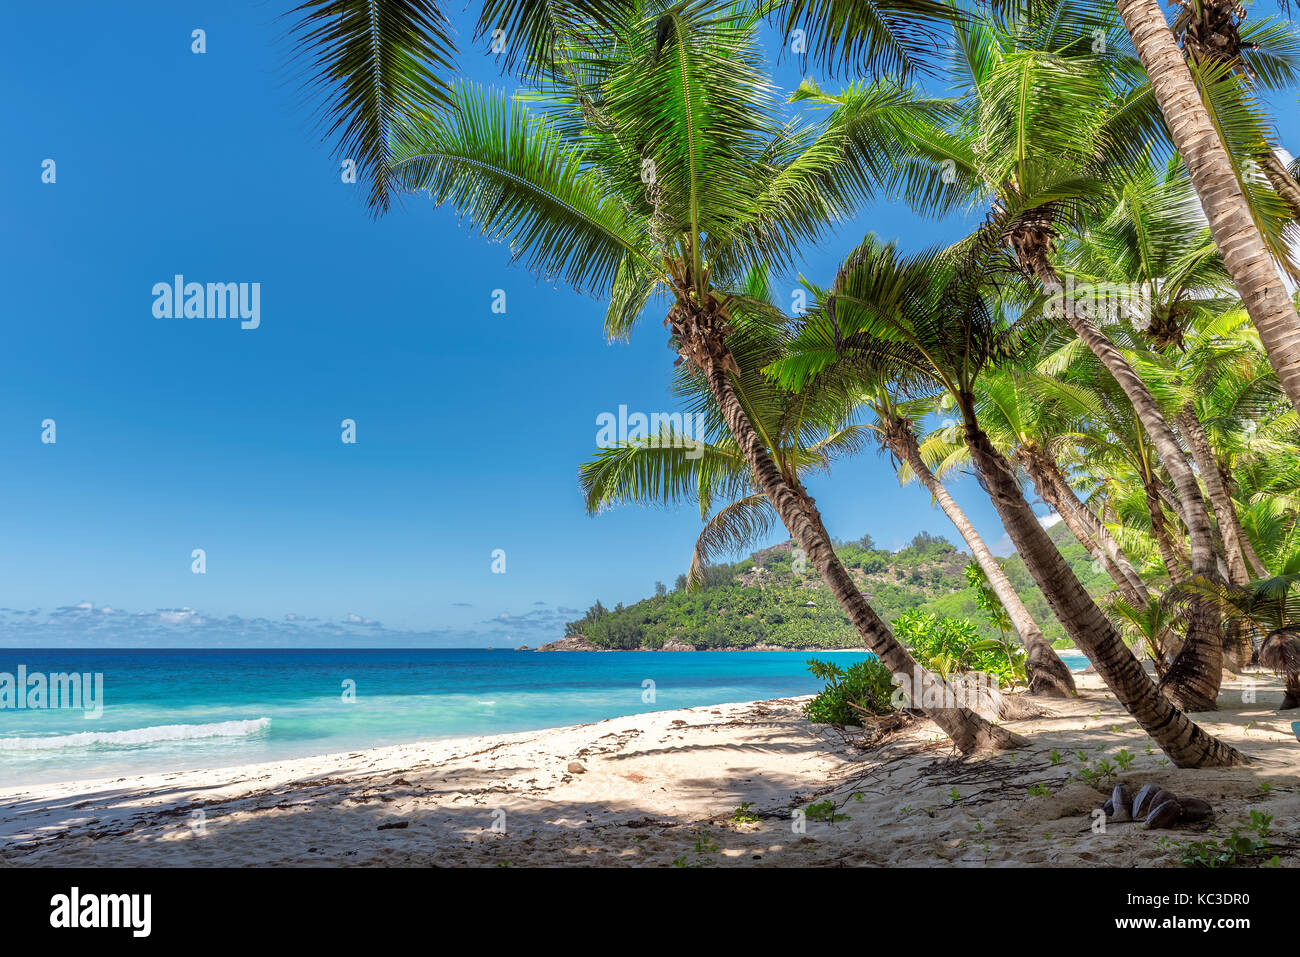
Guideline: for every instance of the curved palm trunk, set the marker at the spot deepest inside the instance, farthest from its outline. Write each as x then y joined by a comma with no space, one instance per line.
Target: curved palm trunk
1099,530
1211,169
1048,490
1194,684
1258,568
968,731
1225,513
1160,531
1186,743
1048,674
1102,534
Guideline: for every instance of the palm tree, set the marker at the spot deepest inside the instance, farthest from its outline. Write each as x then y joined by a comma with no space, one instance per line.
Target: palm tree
1219,189
1045,122
928,315
1262,52
1155,236
803,433
1032,418
1271,608
895,424
657,166
1147,625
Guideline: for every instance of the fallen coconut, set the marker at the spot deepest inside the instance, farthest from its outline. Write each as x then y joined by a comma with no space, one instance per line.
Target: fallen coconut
1165,814
1142,803
1120,801
1194,809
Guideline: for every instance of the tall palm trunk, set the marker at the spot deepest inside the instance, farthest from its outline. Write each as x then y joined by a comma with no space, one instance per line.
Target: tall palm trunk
1186,743
1101,533
1048,674
1213,176
1174,563
1194,685
1040,474
1138,589
1238,649
968,731
1225,513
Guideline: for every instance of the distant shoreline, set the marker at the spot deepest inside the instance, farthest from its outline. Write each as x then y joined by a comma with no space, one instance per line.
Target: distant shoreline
581,644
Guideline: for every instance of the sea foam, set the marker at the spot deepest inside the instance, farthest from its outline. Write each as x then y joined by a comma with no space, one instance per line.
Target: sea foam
134,737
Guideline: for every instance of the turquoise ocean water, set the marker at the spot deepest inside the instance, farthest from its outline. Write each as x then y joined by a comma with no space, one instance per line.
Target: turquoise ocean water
172,710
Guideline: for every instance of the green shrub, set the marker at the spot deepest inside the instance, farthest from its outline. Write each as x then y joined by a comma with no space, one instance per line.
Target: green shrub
867,684
948,646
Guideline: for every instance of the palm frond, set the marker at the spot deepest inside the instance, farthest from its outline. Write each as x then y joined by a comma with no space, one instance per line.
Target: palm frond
379,68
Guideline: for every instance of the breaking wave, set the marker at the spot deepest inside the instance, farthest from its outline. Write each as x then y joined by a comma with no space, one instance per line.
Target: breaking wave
135,737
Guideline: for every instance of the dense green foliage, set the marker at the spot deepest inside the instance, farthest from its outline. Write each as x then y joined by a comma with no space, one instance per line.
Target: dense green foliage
948,646
764,600
866,684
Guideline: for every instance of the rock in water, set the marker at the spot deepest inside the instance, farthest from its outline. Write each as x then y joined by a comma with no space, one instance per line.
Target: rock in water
1194,809
1165,814
1122,802
1142,803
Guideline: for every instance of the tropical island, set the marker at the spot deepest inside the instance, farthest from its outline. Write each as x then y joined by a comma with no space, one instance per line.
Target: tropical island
764,603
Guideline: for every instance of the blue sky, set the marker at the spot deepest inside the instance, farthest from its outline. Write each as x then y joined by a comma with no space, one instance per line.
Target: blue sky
181,434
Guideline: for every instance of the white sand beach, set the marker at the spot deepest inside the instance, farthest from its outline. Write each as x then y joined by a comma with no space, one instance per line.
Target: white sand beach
658,789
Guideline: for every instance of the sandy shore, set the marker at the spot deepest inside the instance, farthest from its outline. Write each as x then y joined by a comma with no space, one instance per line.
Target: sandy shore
659,789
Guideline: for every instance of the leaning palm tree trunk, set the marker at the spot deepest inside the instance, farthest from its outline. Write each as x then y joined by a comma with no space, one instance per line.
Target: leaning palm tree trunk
1235,233
1224,511
1101,534
1045,482
968,731
1174,563
1186,743
1193,679
1048,674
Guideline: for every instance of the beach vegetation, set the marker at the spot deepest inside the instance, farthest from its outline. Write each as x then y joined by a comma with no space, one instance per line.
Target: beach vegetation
865,687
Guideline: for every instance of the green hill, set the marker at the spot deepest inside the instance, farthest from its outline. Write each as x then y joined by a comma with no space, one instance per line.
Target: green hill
765,602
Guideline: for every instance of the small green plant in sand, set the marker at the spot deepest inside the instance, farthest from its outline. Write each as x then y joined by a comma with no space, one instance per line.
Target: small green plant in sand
1245,844
1055,756
1100,774
1040,790
1124,759
824,811
743,814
